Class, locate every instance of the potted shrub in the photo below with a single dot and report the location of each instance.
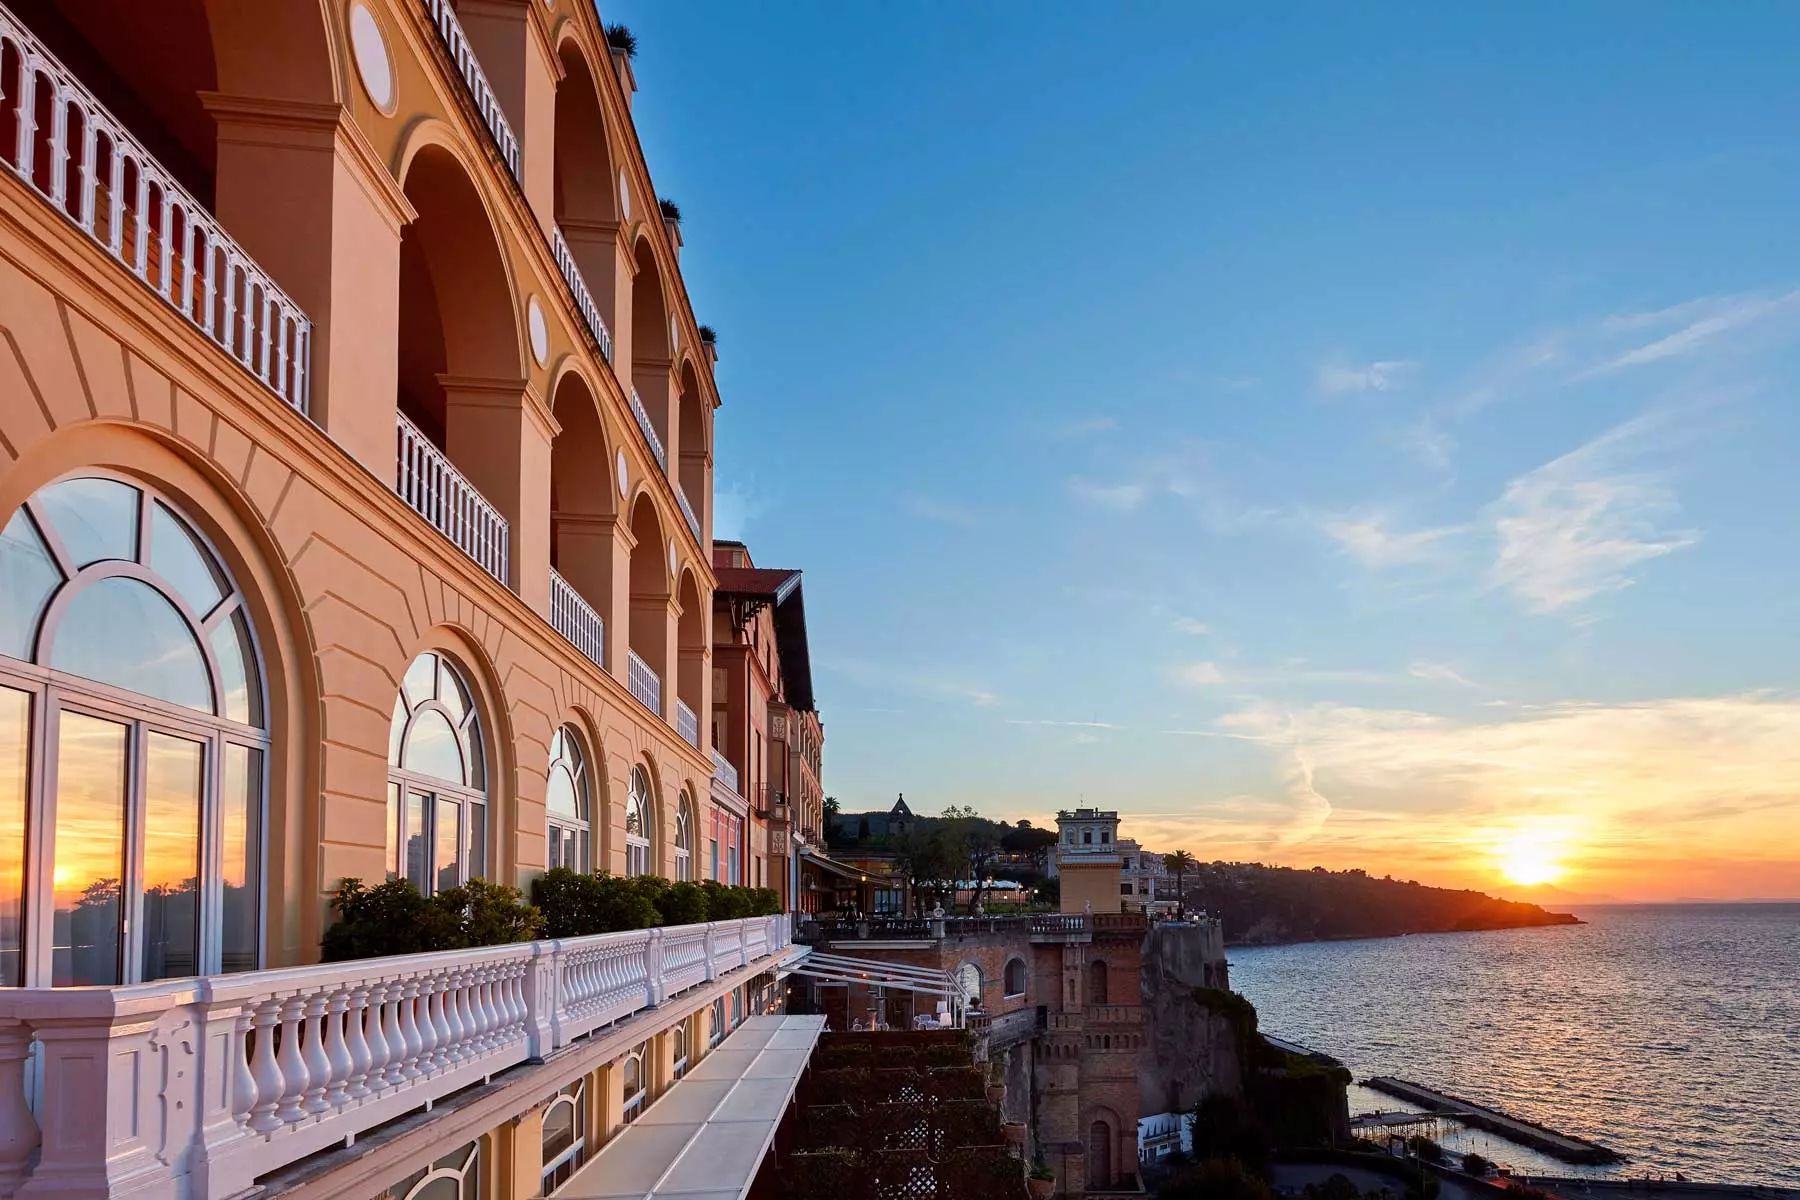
(709, 338)
(1041, 1182)
(1015, 1132)
(671, 215)
(623, 45)
(996, 1085)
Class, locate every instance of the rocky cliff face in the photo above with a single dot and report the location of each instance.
(1195, 1039)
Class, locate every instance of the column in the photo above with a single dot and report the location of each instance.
(498, 434)
(300, 188)
(605, 263)
(512, 41)
(593, 553)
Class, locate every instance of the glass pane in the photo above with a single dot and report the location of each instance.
(471, 732)
(449, 819)
(441, 1188)
(231, 646)
(559, 1130)
(121, 631)
(15, 780)
(581, 852)
(170, 936)
(178, 558)
(396, 731)
(432, 749)
(416, 852)
(240, 818)
(90, 850)
(393, 831)
(27, 577)
(420, 683)
(560, 799)
(96, 518)
(451, 693)
(475, 845)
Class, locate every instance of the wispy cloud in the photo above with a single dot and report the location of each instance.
(1115, 497)
(1088, 427)
(1373, 540)
(922, 682)
(735, 508)
(1426, 442)
(1700, 322)
(1580, 526)
(1191, 627)
(1207, 674)
(1200, 674)
(1339, 379)
(1436, 672)
(1065, 724)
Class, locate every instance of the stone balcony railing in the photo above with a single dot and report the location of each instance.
(644, 682)
(1115, 1014)
(194, 1088)
(65, 145)
(1001, 1030)
(437, 491)
(724, 771)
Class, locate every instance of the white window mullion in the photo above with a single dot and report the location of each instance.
(131, 900)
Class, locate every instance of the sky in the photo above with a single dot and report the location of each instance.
(1346, 436)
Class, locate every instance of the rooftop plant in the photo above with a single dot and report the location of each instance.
(671, 211)
(620, 38)
(708, 336)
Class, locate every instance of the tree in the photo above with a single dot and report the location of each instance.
(980, 843)
(1180, 862)
(927, 858)
(835, 838)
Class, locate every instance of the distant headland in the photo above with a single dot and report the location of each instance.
(1266, 906)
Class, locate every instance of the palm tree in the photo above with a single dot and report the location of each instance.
(1180, 862)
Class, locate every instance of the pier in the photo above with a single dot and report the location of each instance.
(1562, 1146)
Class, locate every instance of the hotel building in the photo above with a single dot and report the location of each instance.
(357, 502)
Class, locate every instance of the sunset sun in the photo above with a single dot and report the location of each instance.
(1529, 861)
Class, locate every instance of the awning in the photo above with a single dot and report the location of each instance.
(706, 1137)
(837, 868)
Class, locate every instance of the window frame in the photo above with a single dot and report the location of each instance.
(684, 838)
(640, 857)
(632, 1104)
(573, 1096)
(582, 825)
(434, 789)
(52, 691)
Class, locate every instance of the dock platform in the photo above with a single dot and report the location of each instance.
(1566, 1147)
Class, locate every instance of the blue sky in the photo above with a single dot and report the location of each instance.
(1361, 436)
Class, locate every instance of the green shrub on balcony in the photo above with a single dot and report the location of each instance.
(393, 918)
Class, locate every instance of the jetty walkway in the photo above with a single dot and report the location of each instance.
(1561, 1146)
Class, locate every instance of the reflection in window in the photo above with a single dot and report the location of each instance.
(684, 837)
(633, 1085)
(565, 1136)
(455, 1176)
(438, 832)
(638, 826)
(566, 803)
(139, 806)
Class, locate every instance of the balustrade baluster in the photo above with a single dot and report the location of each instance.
(243, 1079)
(356, 1044)
(409, 1030)
(456, 1012)
(431, 1025)
(295, 1077)
(393, 994)
(270, 1080)
(19, 1133)
(312, 1049)
(337, 1052)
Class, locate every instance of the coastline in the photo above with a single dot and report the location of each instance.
(1260, 943)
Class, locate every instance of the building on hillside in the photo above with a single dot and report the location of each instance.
(767, 736)
(1088, 861)
(358, 501)
(876, 823)
(1147, 884)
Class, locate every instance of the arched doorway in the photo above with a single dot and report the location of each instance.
(1100, 1155)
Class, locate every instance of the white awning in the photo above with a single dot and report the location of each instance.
(706, 1137)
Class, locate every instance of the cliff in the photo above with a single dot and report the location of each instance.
(1263, 905)
(1197, 1035)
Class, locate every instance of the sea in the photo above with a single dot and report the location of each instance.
(1670, 1033)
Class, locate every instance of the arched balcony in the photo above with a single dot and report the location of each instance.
(693, 479)
(466, 449)
(651, 632)
(583, 510)
(691, 666)
(585, 201)
(652, 396)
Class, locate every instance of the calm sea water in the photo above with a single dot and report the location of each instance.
(1668, 1032)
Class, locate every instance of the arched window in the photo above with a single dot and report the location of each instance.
(969, 975)
(1015, 977)
(684, 839)
(678, 1039)
(455, 1176)
(639, 828)
(567, 803)
(129, 675)
(437, 780)
(1097, 982)
(632, 1084)
(718, 1022)
(565, 1136)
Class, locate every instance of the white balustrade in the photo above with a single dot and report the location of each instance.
(576, 620)
(438, 492)
(687, 724)
(90, 169)
(724, 772)
(644, 423)
(194, 1088)
(645, 683)
(584, 299)
(456, 42)
(687, 510)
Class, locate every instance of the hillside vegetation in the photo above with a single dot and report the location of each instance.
(1268, 905)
